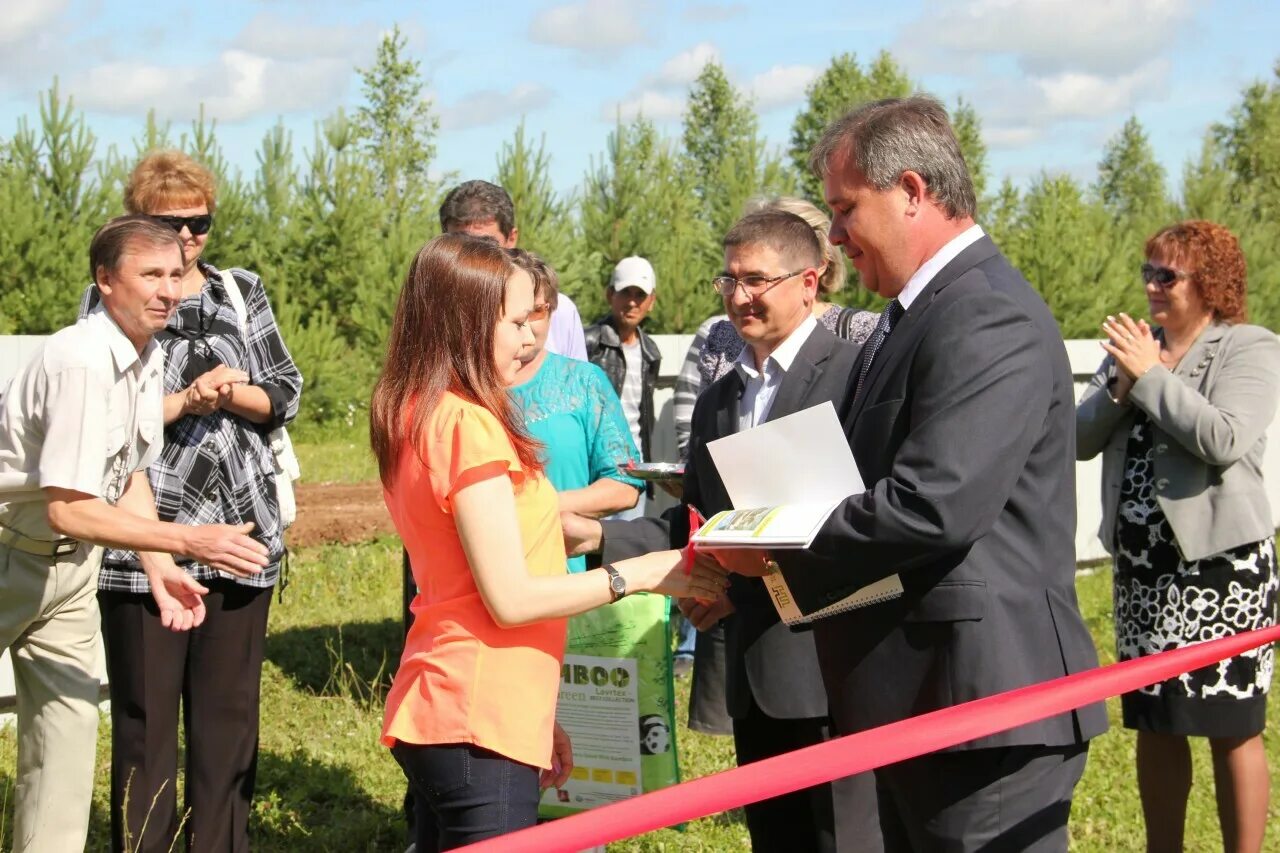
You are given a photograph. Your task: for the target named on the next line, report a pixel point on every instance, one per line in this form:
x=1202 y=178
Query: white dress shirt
x=760 y=387
x=84 y=414
x=918 y=282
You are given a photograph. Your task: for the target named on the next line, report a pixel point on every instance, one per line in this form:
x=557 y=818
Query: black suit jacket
x=765 y=660
x=965 y=433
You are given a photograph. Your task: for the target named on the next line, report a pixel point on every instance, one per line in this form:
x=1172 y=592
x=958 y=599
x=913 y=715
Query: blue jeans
x=464 y=793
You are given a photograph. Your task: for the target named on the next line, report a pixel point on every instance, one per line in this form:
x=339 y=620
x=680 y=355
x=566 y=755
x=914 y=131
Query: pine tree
x=968 y=129
x=1131 y=184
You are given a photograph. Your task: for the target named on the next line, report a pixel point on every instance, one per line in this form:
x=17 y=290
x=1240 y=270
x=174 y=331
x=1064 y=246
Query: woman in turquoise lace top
x=572 y=409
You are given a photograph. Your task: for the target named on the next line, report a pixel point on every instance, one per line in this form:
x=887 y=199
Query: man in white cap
x=627 y=355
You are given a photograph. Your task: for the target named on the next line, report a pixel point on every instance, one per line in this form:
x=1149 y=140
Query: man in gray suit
x=962 y=423
x=774 y=688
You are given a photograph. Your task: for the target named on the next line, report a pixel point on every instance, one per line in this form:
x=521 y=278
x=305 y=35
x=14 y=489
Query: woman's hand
x=561 y=760
x=705 y=615
x=212 y=390
x=1134 y=348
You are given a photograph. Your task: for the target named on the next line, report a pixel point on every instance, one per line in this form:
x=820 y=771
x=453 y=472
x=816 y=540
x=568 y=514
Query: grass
x=324 y=782
x=337 y=459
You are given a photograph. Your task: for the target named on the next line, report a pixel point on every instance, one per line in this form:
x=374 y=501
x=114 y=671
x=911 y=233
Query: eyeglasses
x=1162 y=277
x=541 y=311
x=754 y=286
x=197 y=225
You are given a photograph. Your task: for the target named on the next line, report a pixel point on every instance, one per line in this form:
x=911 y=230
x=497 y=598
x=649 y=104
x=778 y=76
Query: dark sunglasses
x=197 y=225
x=1163 y=277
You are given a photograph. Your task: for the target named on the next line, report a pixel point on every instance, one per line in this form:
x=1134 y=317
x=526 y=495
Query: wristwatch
x=617 y=583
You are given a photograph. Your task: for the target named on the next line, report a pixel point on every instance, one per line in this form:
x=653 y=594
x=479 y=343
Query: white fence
x=1085 y=356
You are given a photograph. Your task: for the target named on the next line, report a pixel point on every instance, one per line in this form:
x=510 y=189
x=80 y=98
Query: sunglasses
x=541 y=311
x=197 y=225
x=1162 y=277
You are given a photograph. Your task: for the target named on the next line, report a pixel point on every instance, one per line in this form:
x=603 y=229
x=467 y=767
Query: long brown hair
x=442 y=340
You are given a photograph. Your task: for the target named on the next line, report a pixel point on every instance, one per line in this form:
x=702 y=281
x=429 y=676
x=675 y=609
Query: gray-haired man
x=79 y=424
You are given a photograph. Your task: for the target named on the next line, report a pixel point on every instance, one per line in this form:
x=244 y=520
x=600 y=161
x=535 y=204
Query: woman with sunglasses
x=1179 y=411
x=227 y=386
x=470 y=715
x=571 y=409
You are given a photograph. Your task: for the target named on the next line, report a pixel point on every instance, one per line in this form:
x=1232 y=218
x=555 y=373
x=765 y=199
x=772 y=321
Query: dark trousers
x=1012 y=798
x=214 y=672
x=838 y=816
x=464 y=794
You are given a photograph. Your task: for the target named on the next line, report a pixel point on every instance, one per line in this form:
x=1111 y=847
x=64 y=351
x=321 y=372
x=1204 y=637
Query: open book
x=784 y=503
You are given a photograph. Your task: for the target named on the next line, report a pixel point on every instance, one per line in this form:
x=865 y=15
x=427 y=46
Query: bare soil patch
x=338 y=513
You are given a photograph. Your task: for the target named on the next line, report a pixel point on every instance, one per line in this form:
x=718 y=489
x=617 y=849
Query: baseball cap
x=633 y=272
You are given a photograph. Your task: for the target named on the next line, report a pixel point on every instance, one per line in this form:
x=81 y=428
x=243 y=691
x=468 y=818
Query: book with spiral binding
x=884 y=589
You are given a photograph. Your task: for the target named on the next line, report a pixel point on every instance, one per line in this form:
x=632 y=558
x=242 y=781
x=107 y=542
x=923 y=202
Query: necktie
x=892 y=313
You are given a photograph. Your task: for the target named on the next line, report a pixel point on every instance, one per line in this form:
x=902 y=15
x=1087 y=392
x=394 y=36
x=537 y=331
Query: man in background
x=483 y=209
x=628 y=356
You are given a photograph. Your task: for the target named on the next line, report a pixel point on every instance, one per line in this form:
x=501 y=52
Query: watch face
x=618 y=585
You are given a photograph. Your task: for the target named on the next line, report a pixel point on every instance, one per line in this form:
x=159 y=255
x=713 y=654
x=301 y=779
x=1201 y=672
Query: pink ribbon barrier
x=867 y=750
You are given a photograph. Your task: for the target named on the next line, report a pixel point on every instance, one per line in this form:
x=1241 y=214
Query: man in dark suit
x=774 y=687
x=962 y=423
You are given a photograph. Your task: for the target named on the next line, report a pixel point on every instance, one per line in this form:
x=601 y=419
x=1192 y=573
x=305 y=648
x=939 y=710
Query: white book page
x=800 y=458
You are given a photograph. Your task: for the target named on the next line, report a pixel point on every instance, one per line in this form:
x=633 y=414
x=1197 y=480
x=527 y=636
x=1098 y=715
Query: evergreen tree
x=968 y=128
x=395 y=126
x=1131 y=184
x=1251 y=145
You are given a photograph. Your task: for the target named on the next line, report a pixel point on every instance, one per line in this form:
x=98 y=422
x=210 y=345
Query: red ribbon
x=695 y=523
x=868 y=750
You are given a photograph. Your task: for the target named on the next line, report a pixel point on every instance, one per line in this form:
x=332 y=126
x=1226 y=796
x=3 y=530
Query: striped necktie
x=888 y=319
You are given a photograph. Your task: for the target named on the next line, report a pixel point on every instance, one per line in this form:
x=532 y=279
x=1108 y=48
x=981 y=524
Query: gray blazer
x=1210 y=416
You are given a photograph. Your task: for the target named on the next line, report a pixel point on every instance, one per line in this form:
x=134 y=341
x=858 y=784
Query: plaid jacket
x=217 y=468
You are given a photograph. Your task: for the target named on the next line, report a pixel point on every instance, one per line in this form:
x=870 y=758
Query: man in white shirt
x=79 y=424
x=483 y=209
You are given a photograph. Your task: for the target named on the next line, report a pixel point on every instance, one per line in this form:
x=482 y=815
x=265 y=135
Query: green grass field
x=324 y=783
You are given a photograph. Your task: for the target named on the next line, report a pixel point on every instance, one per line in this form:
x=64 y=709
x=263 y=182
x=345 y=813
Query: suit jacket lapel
x=897 y=342
x=730 y=390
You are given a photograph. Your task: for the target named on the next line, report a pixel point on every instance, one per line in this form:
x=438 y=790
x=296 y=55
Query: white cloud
x=1012 y=136
x=488 y=106
x=683 y=68
x=1052 y=36
x=1076 y=94
x=234 y=86
x=23 y=19
x=782 y=85
x=713 y=13
x=594 y=28
x=274 y=37
x=652 y=105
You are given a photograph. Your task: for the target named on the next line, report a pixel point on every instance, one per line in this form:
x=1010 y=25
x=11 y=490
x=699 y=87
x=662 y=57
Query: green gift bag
x=617 y=704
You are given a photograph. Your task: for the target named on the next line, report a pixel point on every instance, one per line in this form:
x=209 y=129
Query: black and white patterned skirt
x=1163 y=602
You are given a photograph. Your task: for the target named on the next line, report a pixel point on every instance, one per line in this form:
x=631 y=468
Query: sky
x=1052 y=80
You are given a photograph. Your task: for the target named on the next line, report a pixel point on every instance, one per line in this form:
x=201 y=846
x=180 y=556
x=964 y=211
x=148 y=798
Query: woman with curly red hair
x=1179 y=411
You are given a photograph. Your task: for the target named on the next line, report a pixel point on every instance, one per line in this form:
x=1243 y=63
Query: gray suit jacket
x=964 y=431
x=765 y=660
x=1210 y=415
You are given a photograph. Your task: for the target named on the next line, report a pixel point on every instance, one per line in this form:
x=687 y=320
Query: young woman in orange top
x=471 y=714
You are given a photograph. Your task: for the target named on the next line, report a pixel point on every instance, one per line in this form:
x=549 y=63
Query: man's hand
x=561 y=760
x=226 y=548
x=178 y=596
x=211 y=390
x=749 y=562
x=704 y=616
x=582 y=535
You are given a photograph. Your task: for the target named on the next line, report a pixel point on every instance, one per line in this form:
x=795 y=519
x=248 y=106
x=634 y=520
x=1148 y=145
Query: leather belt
x=38 y=547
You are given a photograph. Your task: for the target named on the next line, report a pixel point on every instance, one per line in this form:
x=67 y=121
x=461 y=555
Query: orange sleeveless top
x=462 y=678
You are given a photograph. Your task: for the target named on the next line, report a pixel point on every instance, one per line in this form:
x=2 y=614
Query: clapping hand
x=1134 y=348
x=212 y=390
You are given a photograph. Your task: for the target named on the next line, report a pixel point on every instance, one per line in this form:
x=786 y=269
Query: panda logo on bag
x=655 y=736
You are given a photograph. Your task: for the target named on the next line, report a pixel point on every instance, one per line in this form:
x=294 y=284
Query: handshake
x=699 y=588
